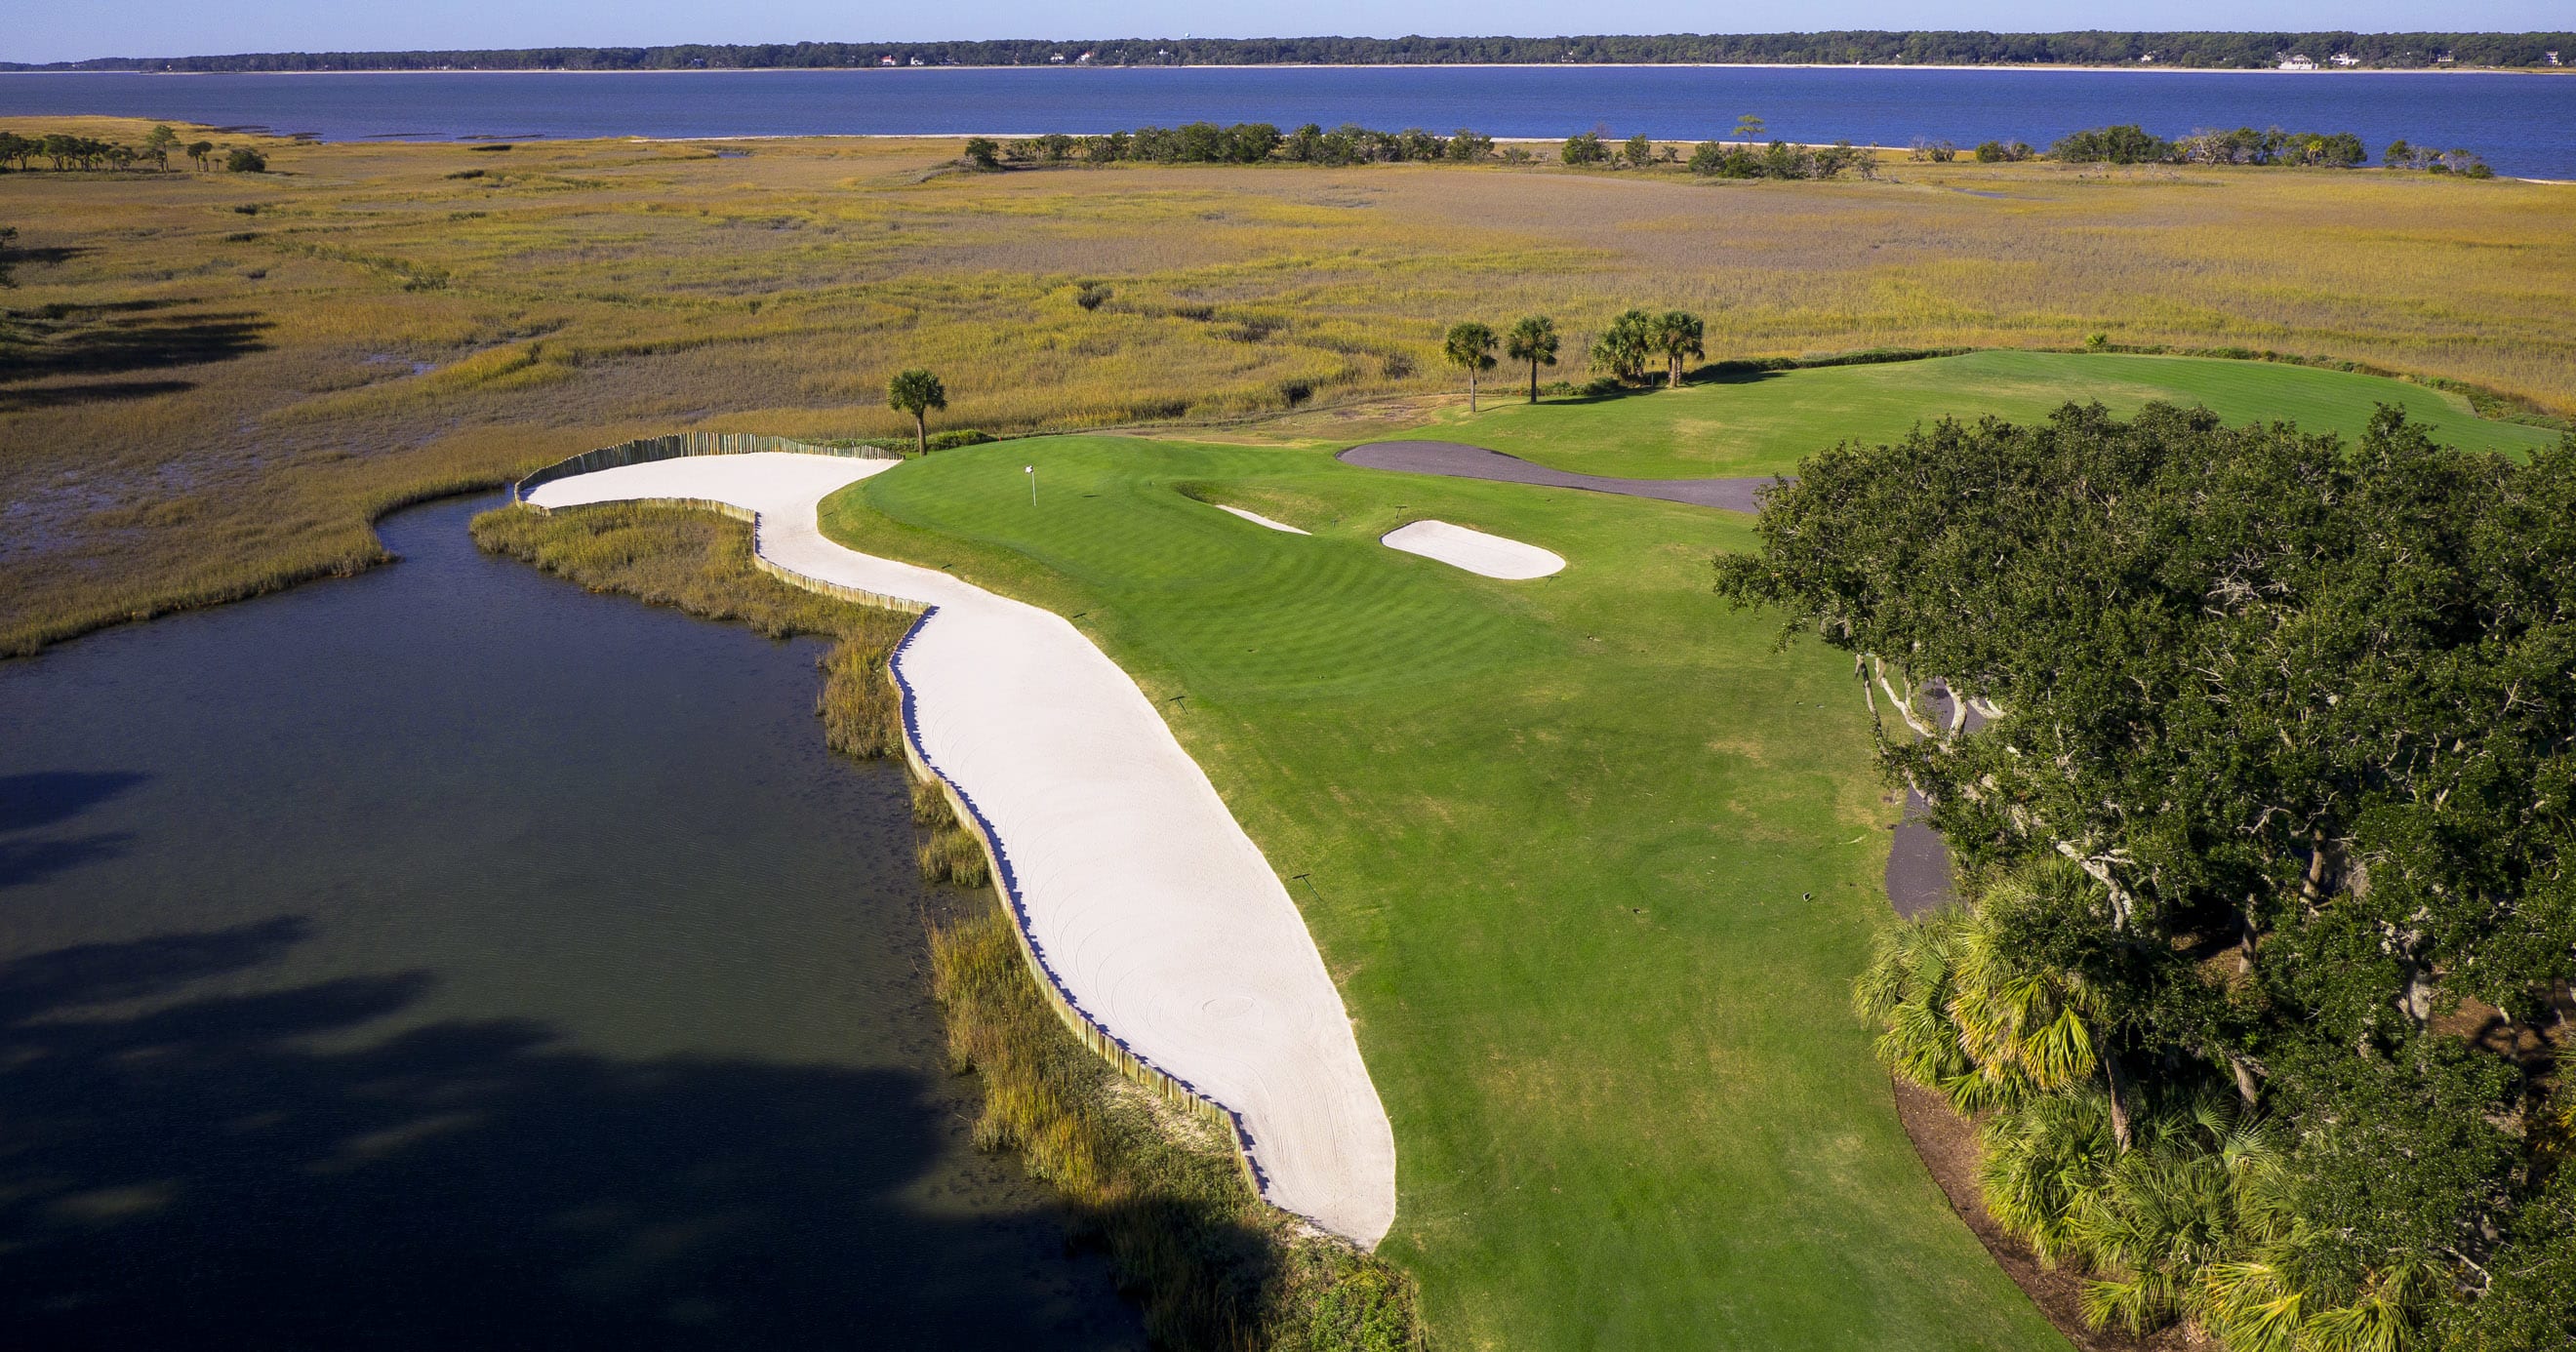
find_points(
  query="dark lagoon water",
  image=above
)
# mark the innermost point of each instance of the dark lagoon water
(2523, 124)
(447, 958)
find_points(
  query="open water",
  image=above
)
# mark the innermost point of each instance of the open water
(446, 958)
(2522, 123)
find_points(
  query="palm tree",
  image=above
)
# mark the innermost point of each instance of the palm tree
(1961, 1012)
(1677, 335)
(1532, 340)
(1622, 348)
(917, 392)
(1470, 345)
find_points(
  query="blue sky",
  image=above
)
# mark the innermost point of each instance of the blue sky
(55, 32)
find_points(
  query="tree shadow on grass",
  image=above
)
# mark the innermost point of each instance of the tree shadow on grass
(211, 1173)
(29, 399)
(112, 340)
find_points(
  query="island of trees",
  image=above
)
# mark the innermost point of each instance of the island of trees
(2221, 51)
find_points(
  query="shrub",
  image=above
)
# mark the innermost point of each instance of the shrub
(1092, 295)
(2003, 152)
(2127, 143)
(245, 160)
(982, 153)
(1584, 149)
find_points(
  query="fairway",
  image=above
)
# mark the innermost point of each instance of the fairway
(1592, 864)
(1762, 424)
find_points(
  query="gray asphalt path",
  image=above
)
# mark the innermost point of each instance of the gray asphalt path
(1460, 461)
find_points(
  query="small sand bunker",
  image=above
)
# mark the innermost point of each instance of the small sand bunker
(1258, 519)
(1473, 550)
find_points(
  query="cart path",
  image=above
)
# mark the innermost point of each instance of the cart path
(1460, 461)
(1147, 906)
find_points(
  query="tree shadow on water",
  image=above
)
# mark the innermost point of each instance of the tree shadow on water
(202, 1174)
(50, 798)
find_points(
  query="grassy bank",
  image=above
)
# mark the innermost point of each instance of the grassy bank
(1590, 861)
(213, 381)
(1213, 1268)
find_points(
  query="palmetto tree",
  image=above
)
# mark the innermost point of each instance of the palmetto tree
(1677, 335)
(1624, 347)
(1962, 1013)
(917, 392)
(1533, 340)
(1470, 345)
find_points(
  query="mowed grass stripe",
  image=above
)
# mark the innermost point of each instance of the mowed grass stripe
(1592, 863)
(1761, 425)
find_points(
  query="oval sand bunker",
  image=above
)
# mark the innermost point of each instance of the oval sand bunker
(1474, 550)
(1149, 907)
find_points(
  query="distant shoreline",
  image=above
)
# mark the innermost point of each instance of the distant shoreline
(1371, 65)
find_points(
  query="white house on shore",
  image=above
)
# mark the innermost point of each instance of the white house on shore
(2294, 61)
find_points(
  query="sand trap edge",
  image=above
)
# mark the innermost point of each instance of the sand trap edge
(1474, 551)
(1258, 519)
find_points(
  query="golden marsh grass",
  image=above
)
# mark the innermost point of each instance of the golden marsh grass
(216, 380)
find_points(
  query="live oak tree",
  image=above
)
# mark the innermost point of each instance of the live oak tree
(1532, 340)
(1470, 345)
(917, 392)
(2294, 722)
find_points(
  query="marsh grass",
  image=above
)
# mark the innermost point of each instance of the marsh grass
(1158, 1189)
(1154, 1187)
(294, 353)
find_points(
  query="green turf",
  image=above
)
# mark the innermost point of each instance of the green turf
(1763, 425)
(1593, 864)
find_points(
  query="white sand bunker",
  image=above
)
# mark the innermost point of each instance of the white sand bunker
(1474, 550)
(1258, 519)
(1150, 909)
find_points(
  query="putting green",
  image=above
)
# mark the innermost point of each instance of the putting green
(1762, 425)
(1592, 863)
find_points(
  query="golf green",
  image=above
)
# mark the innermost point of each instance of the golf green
(1762, 424)
(1592, 861)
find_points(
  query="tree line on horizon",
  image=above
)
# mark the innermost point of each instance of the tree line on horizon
(2200, 50)
(1745, 156)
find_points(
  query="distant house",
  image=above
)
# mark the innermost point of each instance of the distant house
(1056, 60)
(2147, 60)
(2550, 57)
(2294, 61)
(2345, 59)
(886, 61)
(1083, 60)
(916, 61)
(2445, 59)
